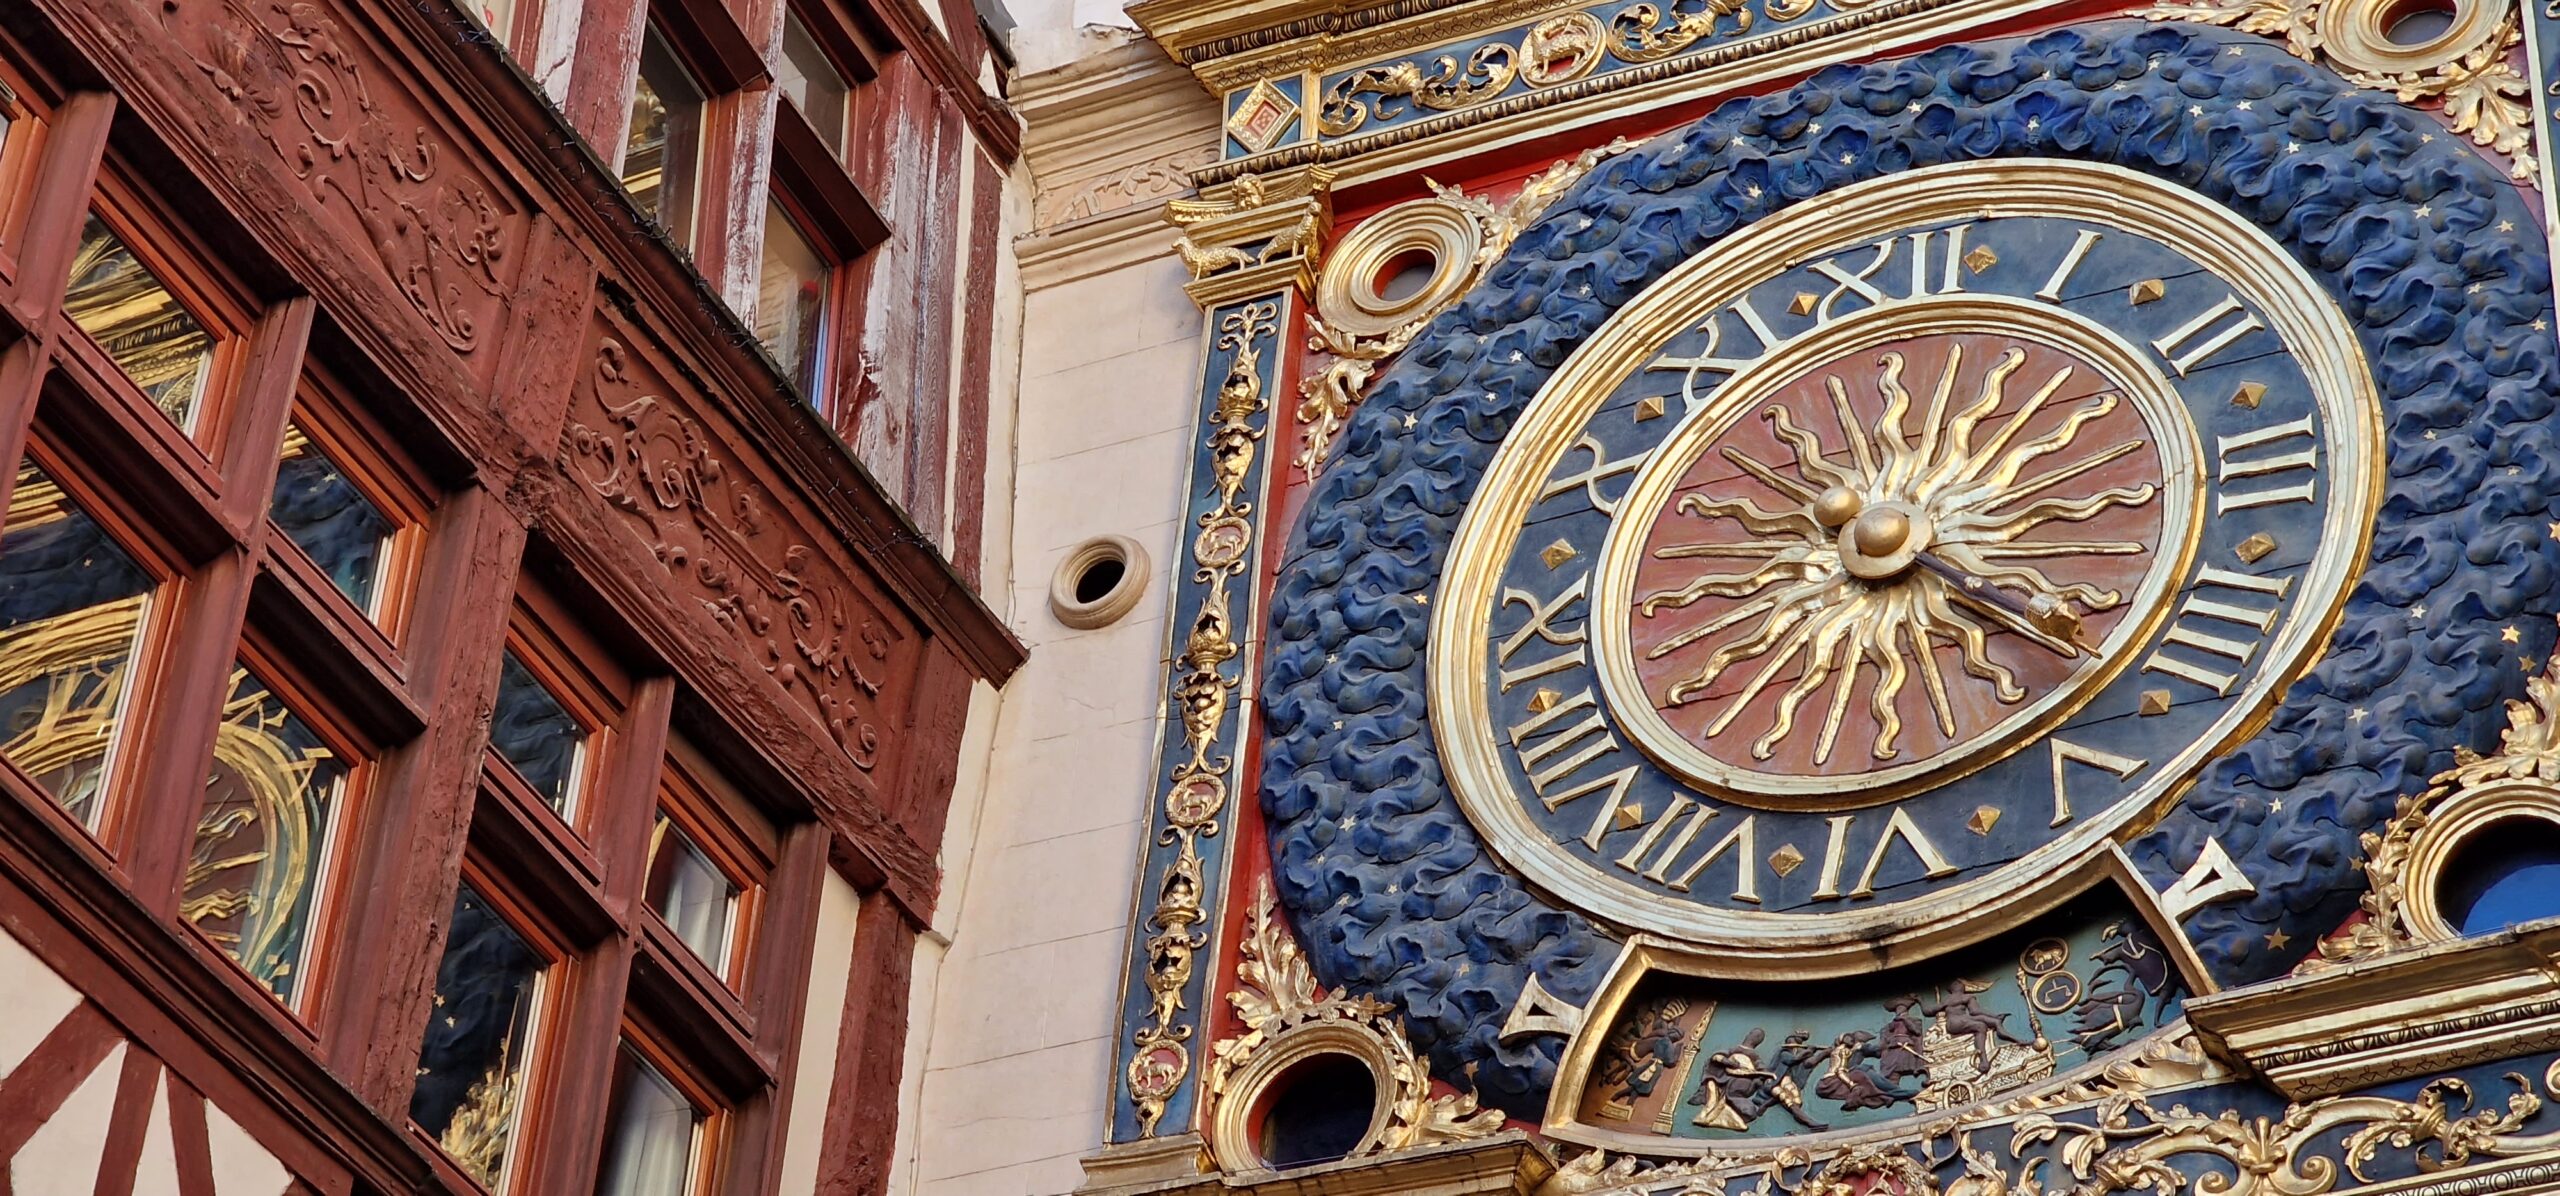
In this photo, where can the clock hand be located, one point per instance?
(2044, 619)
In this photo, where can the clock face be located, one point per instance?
(1872, 573)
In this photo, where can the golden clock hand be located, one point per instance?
(2044, 619)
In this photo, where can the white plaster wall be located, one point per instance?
(1011, 1048)
(1053, 33)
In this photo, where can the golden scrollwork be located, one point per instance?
(1289, 1020)
(2465, 68)
(1196, 792)
(2131, 1145)
(2406, 860)
(1452, 84)
(1360, 328)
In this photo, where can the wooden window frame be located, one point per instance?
(582, 677)
(21, 153)
(361, 449)
(538, 1079)
(713, 1145)
(114, 819)
(219, 303)
(309, 1012)
(697, 800)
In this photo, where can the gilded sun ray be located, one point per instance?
(1898, 537)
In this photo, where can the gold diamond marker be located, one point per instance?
(1630, 816)
(2249, 394)
(2149, 290)
(1981, 259)
(2250, 550)
(1543, 701)
(2154, 702)
(1649, 407)
(1557, 554)
(1984, 818)
(1805, 302)
(1786, 859)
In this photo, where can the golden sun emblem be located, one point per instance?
(1958, 536)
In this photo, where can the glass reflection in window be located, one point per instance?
(653, 1135)
(479, 1032)
(691, 893)
(663, 150)
(263, 835)
(71, 605)
(791, 300)
(534, 732)
(320, 508)
(810, 78)
(123, 306)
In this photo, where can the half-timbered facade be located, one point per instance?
(489, 592)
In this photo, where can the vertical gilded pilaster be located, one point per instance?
(1251, 247)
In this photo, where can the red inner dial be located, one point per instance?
(1894, 553)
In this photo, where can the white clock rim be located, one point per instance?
(1863, 937)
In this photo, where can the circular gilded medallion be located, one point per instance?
(1860, 583)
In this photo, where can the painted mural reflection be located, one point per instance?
(479, 1033)
(71, 611)
(271, 802)
(1691, 1057)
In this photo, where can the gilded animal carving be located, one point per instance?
(1451, 85)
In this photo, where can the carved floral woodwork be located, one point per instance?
(821, 636)
(381, 171)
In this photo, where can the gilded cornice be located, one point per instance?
(1712, 66)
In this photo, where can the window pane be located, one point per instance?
(691, 893)
(812, 82)
(791, 299)
(321, 510)
(538, 735)
(262, 836)
(118, 301)
(478, 1036)
(648, 1151)
(71, 606)
(663, 149)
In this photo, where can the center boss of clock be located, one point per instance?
(1865, 577)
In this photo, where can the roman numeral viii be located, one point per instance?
(2204, 630)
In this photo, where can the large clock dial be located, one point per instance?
(1862, 580)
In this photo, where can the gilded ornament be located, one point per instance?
(2465, 69)
(1262, 118)
(1452, 84)
(1289, 1020)
(2405, 862)
(1202, 694)
(1642, 33)
(1360, 329)
(1560, 49)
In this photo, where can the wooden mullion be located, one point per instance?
(862, 1103)
(608, 67)
(779, 996)
(182, 689)
(563, 1133)
(626, 794)
(21, 381)
(412, 845)
(251, 434)
(65, 173)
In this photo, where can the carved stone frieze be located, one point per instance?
(372, 163)
(797, 615)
